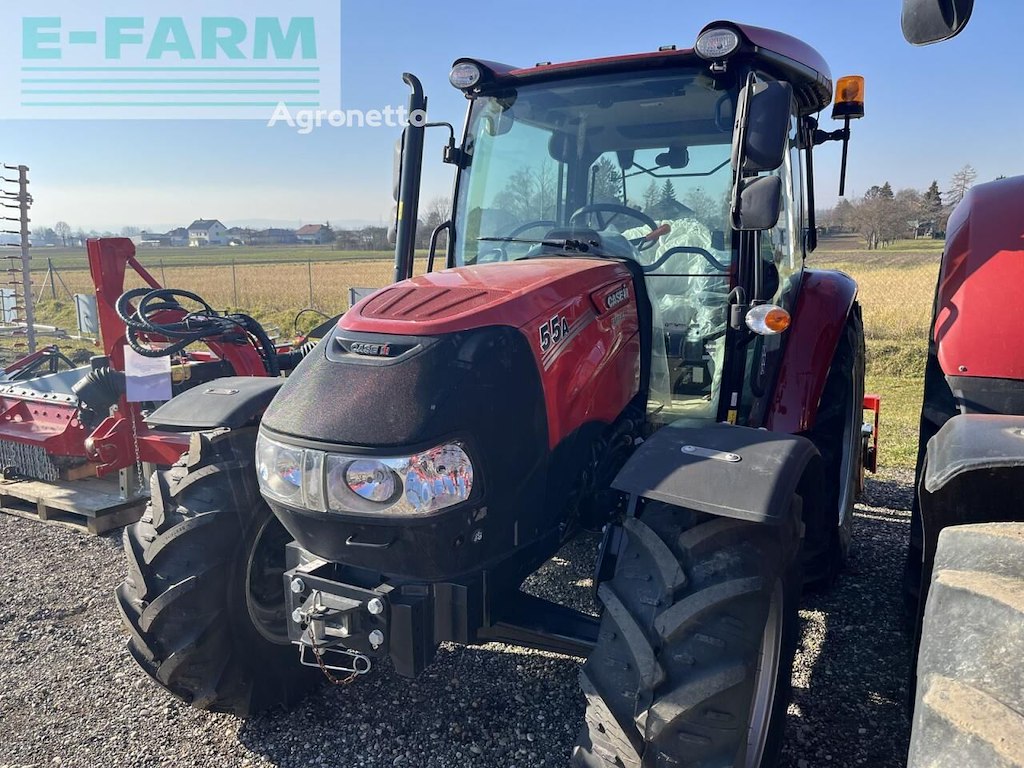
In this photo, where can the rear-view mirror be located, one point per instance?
(762, 126)
(498, 123)
(929, 21)
(760, 204)
(392, 234)
(396, 176)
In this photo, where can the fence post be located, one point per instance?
(234, 282)
(309, 268)
(53, 282)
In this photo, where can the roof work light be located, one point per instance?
(717, 43)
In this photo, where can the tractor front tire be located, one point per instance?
(837, 435)
(204, 600)
(693, 660)
(970, 682)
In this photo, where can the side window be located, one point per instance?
(782, 249)
(783, 246)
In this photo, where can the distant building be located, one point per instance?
(153, 240)
(175, 238)
(206, 232)
(239, 236)
(314, 234)
(274, 236)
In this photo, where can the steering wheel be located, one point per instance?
(616, 209)
(722, 268)
(499, 249)
(516, 231)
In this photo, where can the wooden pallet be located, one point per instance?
(94, 505)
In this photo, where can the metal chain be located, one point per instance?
(138, 454)
(327, 673)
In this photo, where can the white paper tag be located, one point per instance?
(146, 378)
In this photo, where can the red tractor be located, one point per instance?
(965, 569)
(624, 339)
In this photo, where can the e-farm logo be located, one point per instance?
(188, 60)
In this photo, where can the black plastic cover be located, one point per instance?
(971, 442)
(230, 402)
(481, 387)
(738, 472)
(976, 394)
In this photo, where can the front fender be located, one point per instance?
(819, 317)
(232, 402)
(724, 470)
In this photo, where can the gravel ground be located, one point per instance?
(70, 695)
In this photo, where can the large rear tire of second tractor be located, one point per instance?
(970, 683)
(204, 598)
(693, 660)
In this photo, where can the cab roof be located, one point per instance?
(778, 54)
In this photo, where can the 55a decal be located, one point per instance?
(553, 331)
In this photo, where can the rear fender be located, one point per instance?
(822, 308)
(728, 471)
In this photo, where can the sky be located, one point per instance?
(929, 110)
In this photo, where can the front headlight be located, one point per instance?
(407, 485)
(280, 469)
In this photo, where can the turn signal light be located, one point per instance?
(767, 319)
(849, 98)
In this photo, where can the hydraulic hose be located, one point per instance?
(206, 323)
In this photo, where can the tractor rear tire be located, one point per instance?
(204, 598)
(970, 683)
(693, 660)
(837, 434)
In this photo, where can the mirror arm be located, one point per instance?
(758, 272)
(811, 239)
(452, 155)
(742, 118)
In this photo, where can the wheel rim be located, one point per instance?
(264, 582)
(765, 681)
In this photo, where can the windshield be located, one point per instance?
(642, 148)
(635, 166)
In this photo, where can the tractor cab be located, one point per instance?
(645, 159)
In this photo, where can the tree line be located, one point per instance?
(882, 216)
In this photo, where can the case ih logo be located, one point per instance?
(373, 350)
(217, 59)
(616, 297)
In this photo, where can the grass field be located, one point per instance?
(273, 284)
(896, 288)
(69, 259)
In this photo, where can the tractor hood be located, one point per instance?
(446, 353)
(465, 298)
